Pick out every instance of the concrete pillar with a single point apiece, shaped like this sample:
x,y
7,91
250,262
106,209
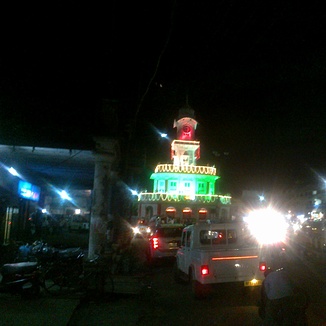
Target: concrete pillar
x,y
106,158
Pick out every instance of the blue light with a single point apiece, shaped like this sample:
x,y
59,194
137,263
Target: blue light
x,y
28,190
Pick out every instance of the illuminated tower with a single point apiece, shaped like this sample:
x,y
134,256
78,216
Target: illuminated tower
x,y
183,189
185,150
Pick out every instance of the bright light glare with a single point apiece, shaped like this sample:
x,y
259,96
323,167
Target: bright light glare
x,y
267,226
13,172
64,195
136,230
296,227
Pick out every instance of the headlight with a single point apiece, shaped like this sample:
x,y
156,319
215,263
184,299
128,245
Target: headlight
x,y
135,230
267,226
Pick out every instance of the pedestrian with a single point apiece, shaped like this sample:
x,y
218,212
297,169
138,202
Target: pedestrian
x,y
284,303
37,219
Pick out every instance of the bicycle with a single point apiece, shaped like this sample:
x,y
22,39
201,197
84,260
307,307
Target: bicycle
x,y
62,275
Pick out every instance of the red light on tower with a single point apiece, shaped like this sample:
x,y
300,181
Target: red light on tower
x,y
186,132
185,128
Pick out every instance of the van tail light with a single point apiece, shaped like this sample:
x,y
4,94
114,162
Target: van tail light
x,y
204,270
155,243
262,266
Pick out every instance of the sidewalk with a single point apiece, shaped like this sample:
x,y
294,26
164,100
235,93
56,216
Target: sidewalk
x,y
43,311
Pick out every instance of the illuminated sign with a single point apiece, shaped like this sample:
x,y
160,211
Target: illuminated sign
x,y
28,191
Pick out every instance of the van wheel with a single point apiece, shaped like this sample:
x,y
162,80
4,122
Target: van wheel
x,y
177,274
200,291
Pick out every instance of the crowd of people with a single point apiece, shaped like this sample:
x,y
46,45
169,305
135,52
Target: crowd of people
x,y
40,224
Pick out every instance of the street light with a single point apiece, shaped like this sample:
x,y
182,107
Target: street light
x,y
134,192
13,171
64,195
261,198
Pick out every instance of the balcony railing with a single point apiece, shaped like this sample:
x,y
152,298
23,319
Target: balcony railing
x,y
194,169
158,196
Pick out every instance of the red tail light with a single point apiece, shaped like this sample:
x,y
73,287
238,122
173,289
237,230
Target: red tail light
x,y
204,270
262,266
155,243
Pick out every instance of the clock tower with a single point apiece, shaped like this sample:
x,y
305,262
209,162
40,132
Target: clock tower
x,y
185,150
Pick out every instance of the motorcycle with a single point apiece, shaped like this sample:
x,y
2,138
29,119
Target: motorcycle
x,y
21,278
60,268
43,253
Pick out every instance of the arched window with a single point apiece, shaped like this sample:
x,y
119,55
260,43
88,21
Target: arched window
x,y
202,214
170,212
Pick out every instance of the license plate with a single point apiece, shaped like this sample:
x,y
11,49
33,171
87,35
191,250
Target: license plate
x,y
173,244
253,283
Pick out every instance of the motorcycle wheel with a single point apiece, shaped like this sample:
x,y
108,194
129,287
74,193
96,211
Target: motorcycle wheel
x,y
32,292
57,282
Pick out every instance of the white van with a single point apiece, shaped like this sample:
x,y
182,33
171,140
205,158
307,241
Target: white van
x,y
212,253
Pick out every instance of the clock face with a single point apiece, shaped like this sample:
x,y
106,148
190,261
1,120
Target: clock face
x,y
187,132
186,129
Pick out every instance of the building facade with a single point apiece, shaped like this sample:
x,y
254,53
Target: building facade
x,y
183,190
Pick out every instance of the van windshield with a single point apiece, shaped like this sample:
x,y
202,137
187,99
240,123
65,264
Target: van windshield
x,y
227,236
219,236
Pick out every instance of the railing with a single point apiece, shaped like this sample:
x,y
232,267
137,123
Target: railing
x,y
194,169
158,196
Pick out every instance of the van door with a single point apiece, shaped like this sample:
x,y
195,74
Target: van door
x,y
185,250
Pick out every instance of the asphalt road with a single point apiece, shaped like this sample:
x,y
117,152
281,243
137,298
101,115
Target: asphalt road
x,y
168,303
160,301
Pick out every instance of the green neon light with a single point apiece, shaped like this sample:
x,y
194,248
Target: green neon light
x,y
182,176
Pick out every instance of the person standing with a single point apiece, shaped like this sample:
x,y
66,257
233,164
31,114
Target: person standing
x,y
37,220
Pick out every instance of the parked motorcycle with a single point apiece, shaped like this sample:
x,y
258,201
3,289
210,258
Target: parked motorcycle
x,y
21,278
60,268
45,254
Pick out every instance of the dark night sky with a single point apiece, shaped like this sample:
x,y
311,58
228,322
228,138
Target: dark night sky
x,y
253,71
